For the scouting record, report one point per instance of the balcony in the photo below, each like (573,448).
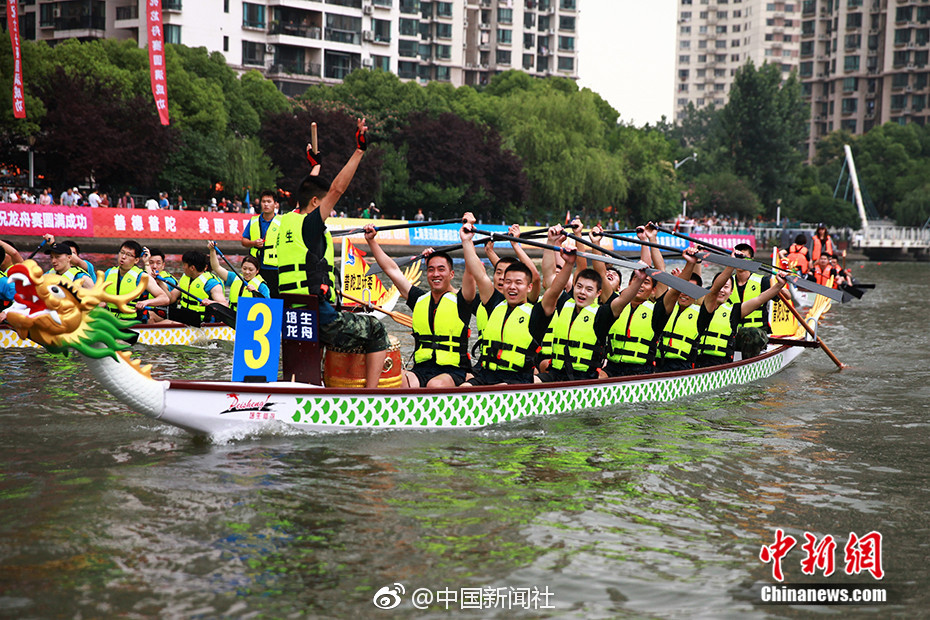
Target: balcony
(312,69)
(295,30)
(62,24)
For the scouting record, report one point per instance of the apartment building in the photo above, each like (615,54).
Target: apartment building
(864,63)
(296,43)
(716,37)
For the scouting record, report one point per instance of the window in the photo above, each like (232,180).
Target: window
(902,36)
(505,16)
(850,84)
(505,36)
(683,74)
(567,22)
(853,41)
(903,13)
(343,29)
(529,41)
(685,30)
(527,62)
(918,102)
(684,45)
(407,48)
(684,59)
(503,57)
(898,102)
(225,44)
(444,9)
(253,53)
(720,44)
(381,62)
(854,20)
(899,80)
(567,44)
(443,52)
(849,105)
(226,6)
(410,7)
(407,69)
(443,74)
(567,5)
(920,58)
(425,51)
(253,15)
(851,63)
(443,31)
(382,30)
(172,34)
(849,125)
(566,63)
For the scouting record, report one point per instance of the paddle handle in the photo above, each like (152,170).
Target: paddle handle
(238,275)
(36,251)
(314,143)
(810,330)
(352,231)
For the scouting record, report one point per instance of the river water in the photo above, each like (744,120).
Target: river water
(643,511)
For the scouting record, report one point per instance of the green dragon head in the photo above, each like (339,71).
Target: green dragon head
(60,314)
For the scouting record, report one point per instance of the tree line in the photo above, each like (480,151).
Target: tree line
(518,149)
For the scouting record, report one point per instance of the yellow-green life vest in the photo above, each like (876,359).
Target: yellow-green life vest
(574,342)
(238,289)
(120,285)
(267,254)
(717,340)
(195,288)
(293,255)
(753,289)
(545,351)
(631,339)
(72,273)
(508,343)
(680,334)
(446,342)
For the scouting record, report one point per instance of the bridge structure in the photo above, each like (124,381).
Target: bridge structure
(881,240)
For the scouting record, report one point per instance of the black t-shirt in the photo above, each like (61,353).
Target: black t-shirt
(313,230)
(464,306)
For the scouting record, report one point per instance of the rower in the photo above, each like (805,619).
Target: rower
(125,276)
(76,260)
(259,236)
(632,323)
(60,255)
(251,284)
(676,348)
(822,243)
(746,286)
(440,318)
(797,254)
(719,317)
(201,286)
(515,327)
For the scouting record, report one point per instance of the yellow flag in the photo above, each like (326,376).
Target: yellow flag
(355,279)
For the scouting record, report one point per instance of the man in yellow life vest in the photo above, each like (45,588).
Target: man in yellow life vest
(81,263)
(165,281)
(515,327)
(677,345)
(251,284)
(197,288)
(305,259)
(440,318)
(259,236)
(719,318)
(126,275)
(748,285)
(60,255)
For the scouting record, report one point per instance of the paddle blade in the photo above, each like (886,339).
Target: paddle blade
(223,313)
(688,288)
(820,289)
(184,315)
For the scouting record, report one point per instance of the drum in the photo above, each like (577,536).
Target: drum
(344,368)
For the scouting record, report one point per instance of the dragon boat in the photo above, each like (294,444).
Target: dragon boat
(152,335)
(61,317)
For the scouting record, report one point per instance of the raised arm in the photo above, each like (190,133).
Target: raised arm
(710,300)
(596,237)
(387,264)
(12,252)
(628,294)
(755,303)
(555,237)
(215,266)
(671,296)
(551,297)
(472,262)
(341,183)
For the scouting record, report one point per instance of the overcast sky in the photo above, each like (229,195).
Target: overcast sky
(627,55)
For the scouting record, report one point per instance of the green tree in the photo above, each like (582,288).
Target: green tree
(762,131)
(724,193)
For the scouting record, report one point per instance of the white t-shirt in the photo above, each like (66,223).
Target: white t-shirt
(151,204)
(93,199)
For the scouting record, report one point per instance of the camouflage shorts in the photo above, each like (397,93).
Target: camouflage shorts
(355,331)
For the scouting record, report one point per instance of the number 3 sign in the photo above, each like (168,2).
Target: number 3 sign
(258,339)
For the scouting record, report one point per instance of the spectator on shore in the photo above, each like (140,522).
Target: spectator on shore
(163,201)
(419,217)
(126,202)
(93,199)
(151,204)
(45,198)
(181,204)
(104,200)
(69,197)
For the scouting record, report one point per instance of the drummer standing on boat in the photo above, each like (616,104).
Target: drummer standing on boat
(440,318)
(259,236)
(305,261)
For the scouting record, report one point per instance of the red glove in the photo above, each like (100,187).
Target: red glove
(361,139)
(313,158)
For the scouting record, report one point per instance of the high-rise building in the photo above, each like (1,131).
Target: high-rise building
(716,37)
(297,43)
(864,63)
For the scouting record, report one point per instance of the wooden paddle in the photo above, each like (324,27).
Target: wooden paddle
(810,330)
(403,319)
(315,147)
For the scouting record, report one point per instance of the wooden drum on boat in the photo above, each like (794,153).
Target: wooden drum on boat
(346,367)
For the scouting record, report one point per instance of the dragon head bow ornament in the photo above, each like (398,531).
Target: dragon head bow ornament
(60,314)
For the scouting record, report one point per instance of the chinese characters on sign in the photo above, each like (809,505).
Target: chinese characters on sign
(12,20)
(861,554)
(300,324)
(156,38)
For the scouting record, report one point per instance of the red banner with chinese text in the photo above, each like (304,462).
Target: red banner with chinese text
(157,58)
(12,21)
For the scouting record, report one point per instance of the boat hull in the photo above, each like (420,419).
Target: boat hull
(152,335)
(204,407)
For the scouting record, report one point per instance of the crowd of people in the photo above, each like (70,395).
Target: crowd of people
(563,321)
